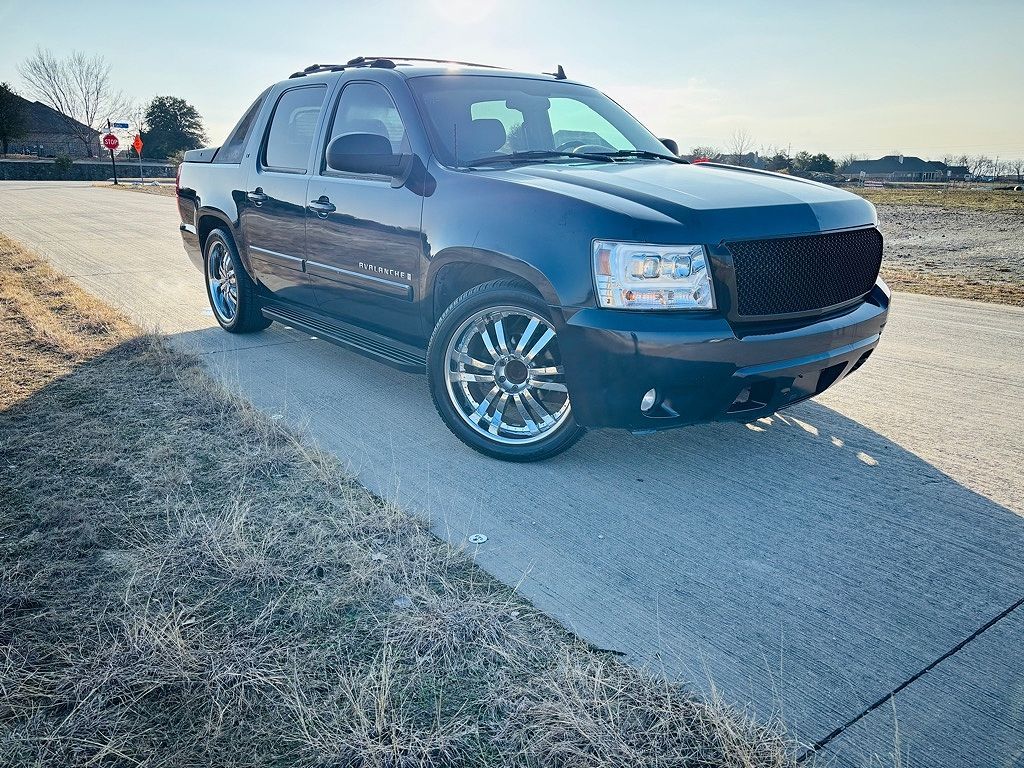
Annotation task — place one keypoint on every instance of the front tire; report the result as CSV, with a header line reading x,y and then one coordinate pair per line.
x,y
232,293
496,375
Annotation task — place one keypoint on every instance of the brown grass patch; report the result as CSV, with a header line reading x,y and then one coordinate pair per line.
x,y
913,281
992,201
184,582
163,190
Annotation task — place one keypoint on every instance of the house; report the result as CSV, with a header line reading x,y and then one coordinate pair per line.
x,y
49,133
904,168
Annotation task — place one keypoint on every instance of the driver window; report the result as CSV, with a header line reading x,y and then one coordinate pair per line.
x,y
368,108
573,121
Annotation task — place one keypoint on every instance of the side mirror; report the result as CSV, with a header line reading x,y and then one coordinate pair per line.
x,y
671,145
363,153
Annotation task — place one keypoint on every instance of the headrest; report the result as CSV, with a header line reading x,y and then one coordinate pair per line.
x,y
485,136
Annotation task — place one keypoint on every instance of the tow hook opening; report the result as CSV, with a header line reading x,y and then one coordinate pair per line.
x,y
753,397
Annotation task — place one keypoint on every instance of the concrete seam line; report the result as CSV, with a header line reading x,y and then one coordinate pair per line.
x,y
909,681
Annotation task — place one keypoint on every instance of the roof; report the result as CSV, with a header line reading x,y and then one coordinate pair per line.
x,y
892,164
40,118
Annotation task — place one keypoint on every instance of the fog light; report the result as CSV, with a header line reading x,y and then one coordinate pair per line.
x,y
649,400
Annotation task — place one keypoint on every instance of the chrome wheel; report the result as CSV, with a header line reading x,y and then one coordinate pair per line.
x,y
222,281
504,375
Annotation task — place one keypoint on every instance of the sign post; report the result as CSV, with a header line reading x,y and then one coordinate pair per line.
x,y
110,142
137,144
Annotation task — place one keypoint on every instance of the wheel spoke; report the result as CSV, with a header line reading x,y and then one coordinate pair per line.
x,y
485,336
499,335
524,413
485,404
494,426
477,377
542,342
553,386
527,334
465,359
545,415
551,370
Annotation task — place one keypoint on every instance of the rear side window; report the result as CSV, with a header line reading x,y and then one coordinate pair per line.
x,y
292,129
232,149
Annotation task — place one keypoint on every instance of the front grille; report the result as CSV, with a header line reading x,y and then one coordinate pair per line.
x,y
786,275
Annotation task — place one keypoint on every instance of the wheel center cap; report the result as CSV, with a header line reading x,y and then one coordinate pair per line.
x,y
511,374
516,371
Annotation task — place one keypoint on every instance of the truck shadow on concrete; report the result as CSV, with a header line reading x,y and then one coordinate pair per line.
x,y
804,563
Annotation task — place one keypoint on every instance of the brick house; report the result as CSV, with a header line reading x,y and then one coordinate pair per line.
x,y
49,133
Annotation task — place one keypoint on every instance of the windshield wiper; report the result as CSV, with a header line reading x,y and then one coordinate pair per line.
x,y
646,154
537,155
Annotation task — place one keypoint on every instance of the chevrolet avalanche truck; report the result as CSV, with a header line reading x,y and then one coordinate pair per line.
x,y
549,263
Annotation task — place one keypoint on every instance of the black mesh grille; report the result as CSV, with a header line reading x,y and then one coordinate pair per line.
x,y
799,274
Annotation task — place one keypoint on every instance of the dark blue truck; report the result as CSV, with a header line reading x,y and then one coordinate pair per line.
x,y
547,261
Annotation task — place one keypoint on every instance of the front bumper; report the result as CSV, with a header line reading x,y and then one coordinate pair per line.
x,y
705,369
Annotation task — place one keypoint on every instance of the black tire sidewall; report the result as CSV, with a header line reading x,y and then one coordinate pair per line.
x,y
499,292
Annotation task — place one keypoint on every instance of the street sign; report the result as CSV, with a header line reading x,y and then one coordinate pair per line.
x,y
120,125
137,144
110,142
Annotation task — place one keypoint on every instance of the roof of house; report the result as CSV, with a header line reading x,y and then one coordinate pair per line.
x,y
40,118
892,164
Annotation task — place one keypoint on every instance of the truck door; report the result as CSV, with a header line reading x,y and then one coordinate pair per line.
x,y
363,242
273,213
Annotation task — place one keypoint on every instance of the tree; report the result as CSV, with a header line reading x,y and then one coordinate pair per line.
x,y
1017,167
740,144
846,161
12,116
174,125
805,162
703,153
778,158
979,165
78,87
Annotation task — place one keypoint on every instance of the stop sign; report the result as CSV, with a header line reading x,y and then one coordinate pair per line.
x,y
110,141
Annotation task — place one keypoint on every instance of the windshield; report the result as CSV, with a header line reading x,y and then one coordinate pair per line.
x,y
474,119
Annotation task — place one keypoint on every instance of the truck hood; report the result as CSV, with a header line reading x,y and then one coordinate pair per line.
x,y
716,202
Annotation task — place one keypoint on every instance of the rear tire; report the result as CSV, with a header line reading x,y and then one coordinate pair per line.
x,y
496,374
232,293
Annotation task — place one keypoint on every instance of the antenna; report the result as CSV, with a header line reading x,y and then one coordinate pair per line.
x,y
558,74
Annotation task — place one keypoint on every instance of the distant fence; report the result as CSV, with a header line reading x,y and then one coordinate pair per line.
x,y
30,170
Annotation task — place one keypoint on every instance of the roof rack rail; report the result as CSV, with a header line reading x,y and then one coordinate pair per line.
x,y
380,62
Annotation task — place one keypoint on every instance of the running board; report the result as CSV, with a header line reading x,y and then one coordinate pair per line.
x,y
397,354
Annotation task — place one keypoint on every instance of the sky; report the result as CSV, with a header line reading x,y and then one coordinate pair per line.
x,y
867,78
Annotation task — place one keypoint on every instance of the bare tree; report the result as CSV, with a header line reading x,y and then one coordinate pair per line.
x,y
705,152
979,165
1017,167
847,160
740,144
78,87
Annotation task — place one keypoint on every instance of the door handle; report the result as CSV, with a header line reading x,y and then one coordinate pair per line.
x,y
256,196
322,206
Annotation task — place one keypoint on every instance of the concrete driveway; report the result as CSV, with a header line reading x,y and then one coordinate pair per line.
x,y
808,565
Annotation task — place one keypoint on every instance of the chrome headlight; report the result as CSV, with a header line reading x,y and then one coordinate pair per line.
x,y
641,276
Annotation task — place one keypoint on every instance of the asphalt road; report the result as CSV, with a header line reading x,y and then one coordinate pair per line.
x,y
807,565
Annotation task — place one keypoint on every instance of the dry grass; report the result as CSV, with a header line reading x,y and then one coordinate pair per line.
x,y
187,583
991,201
163,190
913,281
